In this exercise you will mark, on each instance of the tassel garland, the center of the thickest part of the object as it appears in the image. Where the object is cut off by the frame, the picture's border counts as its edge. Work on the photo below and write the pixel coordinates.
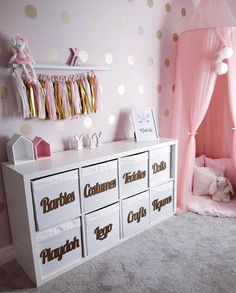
(57, 97)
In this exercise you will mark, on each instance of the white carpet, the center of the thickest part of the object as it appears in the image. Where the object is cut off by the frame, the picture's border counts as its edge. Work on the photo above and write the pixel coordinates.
(185, 254)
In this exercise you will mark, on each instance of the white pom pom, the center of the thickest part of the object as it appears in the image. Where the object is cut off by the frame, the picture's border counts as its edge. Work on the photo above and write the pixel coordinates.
(221, 68)
(226, 53)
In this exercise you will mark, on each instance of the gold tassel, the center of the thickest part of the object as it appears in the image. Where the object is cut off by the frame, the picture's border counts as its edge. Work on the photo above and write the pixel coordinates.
(43, 85)
(31, 101)
(58, 102)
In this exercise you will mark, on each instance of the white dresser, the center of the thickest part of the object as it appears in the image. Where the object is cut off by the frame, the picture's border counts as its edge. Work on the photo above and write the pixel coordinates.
(68, 208)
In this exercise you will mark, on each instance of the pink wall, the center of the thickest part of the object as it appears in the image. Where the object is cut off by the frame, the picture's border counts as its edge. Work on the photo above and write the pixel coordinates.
(145, 32)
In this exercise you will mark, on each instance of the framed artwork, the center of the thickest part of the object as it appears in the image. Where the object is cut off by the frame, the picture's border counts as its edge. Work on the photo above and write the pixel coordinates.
(145, 125)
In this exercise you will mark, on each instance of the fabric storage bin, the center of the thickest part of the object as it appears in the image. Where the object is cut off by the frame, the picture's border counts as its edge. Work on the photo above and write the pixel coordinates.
(99, 185)
(102, 228)
(133, 174)
(135, 213)
(56, 199)
(59, 247)
(159, 165)
(162, 201)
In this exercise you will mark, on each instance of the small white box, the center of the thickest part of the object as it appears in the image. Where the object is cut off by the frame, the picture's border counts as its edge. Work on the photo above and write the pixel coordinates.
(59, 247)
(102, 228)
(135, 212)
(133, 174)
(162, 202)
(56, 199)
(159, 165)
(99, 185)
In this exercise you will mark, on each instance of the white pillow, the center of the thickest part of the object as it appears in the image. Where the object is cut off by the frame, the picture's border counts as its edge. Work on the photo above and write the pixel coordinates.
(202, 178)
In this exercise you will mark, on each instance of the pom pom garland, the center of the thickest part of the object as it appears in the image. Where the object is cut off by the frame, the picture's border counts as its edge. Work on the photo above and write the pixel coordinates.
(221, 68)
(224, 54)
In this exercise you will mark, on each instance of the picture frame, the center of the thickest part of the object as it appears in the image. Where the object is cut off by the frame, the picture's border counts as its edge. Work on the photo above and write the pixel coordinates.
(145, 125)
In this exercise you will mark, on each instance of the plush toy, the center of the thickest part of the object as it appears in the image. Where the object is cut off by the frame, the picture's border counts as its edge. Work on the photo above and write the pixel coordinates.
(221, 189)
(21, 57)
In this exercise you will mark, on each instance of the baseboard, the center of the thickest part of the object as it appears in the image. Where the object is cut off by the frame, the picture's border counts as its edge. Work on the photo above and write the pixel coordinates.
(7, 254)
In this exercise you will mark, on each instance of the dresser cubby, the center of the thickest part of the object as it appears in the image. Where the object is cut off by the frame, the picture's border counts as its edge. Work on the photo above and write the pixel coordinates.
(76, 204)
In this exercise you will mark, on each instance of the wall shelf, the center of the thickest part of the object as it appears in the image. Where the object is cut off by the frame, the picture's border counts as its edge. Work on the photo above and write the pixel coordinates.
(71, 68)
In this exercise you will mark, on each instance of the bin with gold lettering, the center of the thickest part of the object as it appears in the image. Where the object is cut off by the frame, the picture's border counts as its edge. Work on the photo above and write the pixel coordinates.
(135, 213)
(56, 199)
(133, 174)
(59, 247)
(160, 168)
(102, 228)
(162, 202)
(99, 185)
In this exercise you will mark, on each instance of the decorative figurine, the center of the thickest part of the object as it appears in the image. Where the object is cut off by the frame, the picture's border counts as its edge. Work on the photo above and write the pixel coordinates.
(99, 139)
(74, 58)
(79, 142)
(92, 140)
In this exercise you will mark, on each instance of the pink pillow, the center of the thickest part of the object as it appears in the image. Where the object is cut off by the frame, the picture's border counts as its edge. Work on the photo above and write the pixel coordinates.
(224, 164)
(200, 161)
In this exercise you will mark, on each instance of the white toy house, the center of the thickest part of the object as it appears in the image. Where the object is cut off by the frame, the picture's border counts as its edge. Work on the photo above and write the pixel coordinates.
(19, 149)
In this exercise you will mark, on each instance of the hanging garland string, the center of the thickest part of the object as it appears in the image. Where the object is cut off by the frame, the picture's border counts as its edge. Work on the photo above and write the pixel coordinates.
(57, 97)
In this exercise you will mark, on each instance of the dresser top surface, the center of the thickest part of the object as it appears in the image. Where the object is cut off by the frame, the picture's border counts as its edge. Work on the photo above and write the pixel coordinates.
(71, 159)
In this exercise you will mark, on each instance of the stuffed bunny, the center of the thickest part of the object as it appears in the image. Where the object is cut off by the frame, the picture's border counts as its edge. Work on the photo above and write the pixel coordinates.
(221, 189)
(22, 58)
(79, 142)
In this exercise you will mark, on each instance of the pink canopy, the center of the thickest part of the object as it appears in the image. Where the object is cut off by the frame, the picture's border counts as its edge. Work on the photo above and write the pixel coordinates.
(204, 103)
